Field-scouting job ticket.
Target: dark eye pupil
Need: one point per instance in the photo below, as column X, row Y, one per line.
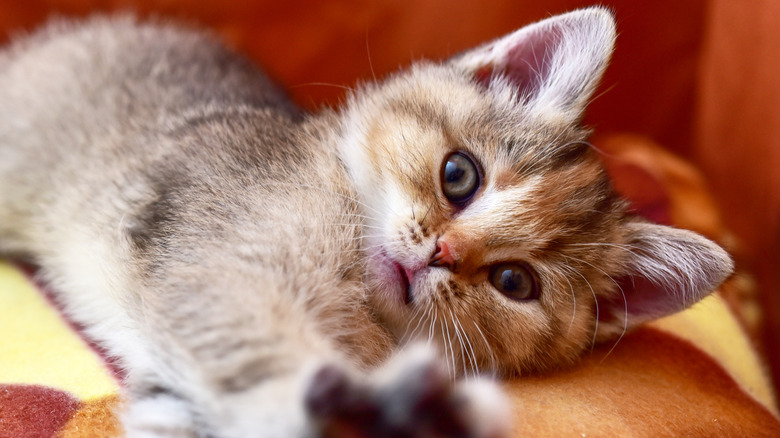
column 510, row 280
column 460, row 179
column 453, row 173
column 514, row 281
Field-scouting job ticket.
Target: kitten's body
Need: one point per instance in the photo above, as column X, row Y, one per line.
column 224, row 246
column 200, row 157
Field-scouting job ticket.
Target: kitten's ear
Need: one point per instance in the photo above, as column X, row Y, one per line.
column 554, row 64
column 669, row 269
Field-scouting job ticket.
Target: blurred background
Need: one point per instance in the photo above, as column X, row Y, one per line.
column 698, row 77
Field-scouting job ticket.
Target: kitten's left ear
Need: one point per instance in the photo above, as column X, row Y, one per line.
column 554, row 64
column 668, row 270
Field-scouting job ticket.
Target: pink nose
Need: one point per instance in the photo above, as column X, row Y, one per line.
column 442, row 256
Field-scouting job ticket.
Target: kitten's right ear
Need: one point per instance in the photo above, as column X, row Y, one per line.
column 668, row 270
column 553, row 65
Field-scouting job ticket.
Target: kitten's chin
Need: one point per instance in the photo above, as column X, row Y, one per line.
column 389, row 281
column 395, row 291
column 391, row 296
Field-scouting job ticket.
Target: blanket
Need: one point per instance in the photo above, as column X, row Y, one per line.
column 52, row 383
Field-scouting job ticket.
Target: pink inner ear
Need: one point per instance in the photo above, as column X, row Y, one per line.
column 644, row 299
column 526, row 64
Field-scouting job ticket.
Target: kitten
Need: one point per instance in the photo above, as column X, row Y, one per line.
column 259, row 271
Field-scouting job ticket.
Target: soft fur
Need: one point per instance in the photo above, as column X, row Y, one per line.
column 177, row 201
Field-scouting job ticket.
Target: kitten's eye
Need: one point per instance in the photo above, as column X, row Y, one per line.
column 514, row 280
column 459, row 178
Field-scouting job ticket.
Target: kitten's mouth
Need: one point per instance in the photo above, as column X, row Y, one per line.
column 403, row 274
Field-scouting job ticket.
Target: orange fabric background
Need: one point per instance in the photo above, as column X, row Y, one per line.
column 698, row 76
column 738, row 139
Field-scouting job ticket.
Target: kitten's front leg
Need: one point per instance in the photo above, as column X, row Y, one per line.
column 228, row 355
column 270, row 409
column 161, row 405
column 412, row 396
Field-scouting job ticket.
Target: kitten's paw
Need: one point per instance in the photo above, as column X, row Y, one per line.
column 157, row 417
column 413, row 397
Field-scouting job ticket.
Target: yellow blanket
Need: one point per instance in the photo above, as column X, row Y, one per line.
column 51, row 382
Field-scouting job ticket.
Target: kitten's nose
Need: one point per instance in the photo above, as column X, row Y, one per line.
column 442, row 256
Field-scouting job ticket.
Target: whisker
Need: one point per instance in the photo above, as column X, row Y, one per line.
column 426, row 317
column 592, row 146
column 487, row 344
column 574, row 305
column 426, row 214
column 430, row 326
column 472, row 354
column 460, row 341
column 626, row 247
column 446, row 327
column 414, row 317
column 596, row 301
column 625, row 303
column 325, row 84
column 368, row 54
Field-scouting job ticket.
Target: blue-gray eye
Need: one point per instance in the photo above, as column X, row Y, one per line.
column 515, row 281
column 459, row 178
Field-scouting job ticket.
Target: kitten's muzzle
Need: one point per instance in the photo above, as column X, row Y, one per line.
column 442, row 257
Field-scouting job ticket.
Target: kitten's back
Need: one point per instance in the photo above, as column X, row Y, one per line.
column 75, row 98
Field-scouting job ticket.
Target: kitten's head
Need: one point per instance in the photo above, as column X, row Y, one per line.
column 491, row 225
